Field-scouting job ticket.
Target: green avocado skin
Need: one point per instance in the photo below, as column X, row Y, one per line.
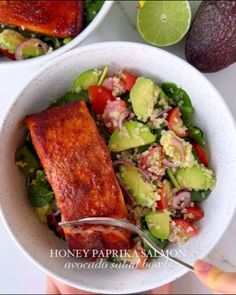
column 211, row 42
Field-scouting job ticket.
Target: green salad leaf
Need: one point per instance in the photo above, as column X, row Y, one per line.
column 181, row 99
column 26, row 160
column 40, row 192
column 160, row 243
column 92, row 8
column 70, row 97
column 199, row 196
column 196, row 134
column 54, row 42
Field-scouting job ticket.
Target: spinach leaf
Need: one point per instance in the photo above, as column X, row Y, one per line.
column 40, row 192
column 70, row 97
column 181, row 99
column 26, row 160
column 92, row 8
column 39, row 195
column 196, row 134
column 158, row 132
column 199, row 196
column 53, row 42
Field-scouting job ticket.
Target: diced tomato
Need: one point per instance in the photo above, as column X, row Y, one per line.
column 151, row 161
column 201, row 153
column 176, row 123
column 112, row 113
column 53, row 224
column 99, row 96
column 188, row 228
column 165, row 194
column 194, row 213
column 8, row 54
column 129, row 80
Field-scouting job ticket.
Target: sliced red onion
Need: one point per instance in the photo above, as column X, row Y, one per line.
column 127, row 194
column 182, row 199
column 128, row 163
column 168, row 125
column 164, row 112
column 131, row 115
column 169, row 164
column 178, row 144
column 33, row 42
column 108, row 83
column 58, row 212
column 121, row 118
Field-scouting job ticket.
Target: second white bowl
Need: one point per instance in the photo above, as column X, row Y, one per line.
column 36, row 61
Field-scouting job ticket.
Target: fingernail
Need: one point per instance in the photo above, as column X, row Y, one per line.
column 202, row 266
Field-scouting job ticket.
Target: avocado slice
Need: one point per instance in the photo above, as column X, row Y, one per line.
column 84, row 80
column 158, row 223
column 133, row 134
column 143, row 97
column 160, row 243
column 196, row 177
column 33, row 49
column 10, row 39
column 144, row 193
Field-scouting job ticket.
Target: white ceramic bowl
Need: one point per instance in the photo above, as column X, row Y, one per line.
column 4, row 62
column 51, row 82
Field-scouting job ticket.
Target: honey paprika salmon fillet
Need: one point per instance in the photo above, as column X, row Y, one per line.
column 54, row 18
column 79, row 169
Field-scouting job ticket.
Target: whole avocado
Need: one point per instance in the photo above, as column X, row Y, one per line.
column 211, row 41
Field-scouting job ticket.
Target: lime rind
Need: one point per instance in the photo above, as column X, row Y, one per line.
column 160, row 32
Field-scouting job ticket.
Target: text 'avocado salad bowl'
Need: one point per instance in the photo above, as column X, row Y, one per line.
column 138, row 134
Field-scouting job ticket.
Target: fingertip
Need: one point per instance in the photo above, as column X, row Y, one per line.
column 202, row 267
column 51, row 287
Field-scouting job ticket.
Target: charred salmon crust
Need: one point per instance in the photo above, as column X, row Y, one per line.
column 79, row 169
column 54, row 18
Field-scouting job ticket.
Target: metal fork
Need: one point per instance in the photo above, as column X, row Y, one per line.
column 123, row 223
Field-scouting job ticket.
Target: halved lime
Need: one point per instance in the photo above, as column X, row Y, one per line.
column 164, row 23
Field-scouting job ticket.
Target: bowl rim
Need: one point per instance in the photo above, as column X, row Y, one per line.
column 100, row 46
column 75, row 42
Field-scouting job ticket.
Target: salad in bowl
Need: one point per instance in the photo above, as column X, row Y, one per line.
column 66, row 133
column 155, row 155
column 30, row 29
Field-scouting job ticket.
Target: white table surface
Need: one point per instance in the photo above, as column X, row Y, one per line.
column 18, row 274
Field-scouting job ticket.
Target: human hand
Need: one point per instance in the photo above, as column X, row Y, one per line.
column 215, row 278
column 55, row 287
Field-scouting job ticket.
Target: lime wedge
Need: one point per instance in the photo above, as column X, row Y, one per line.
column 164, row 23
column 141, row 3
